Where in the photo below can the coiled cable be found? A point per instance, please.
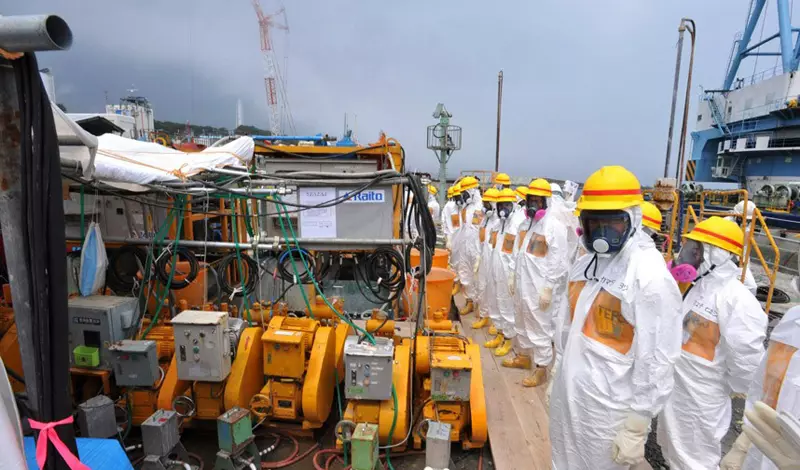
(250, 272)
(304, 276)
(380, 272)
(165, 258)
(125, 263)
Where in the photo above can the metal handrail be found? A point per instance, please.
(772, 275)
(672, 226)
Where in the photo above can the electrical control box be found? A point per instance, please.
(96, 418)
(95, 322)
(451, 376)
(437, 446)
(160, 433)
(284, 353)
(368, 369)
(202, 345)
(234, 429)
(135, 363)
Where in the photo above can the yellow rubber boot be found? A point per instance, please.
(503, 349)
(539, 377)
(456, 288)
(520, 361)
(493, 343)
(467, 308)
(492, 330)
(480, 323)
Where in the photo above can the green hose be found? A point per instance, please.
(391, 430)
(245, 300)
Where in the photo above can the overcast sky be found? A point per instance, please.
(587, 83)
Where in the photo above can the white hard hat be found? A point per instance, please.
(554, 187)
(738, 209)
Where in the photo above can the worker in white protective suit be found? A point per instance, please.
(502, 310)
(540, 283)
(469, 245)
(450, 208)
(617, 370)
(739, 214)
(433, 204)
(482, 268)
(776, 385)
(724, 328)
(455, 227)
(501, 181)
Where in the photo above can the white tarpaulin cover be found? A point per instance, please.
(76, 146)
(128, 163)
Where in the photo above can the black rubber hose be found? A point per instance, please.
(123, 267)
(249, 269)
(166, 258)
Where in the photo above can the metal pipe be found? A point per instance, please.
(681, 29)
(34, 33)
(260, 246)
(785, 31)
(682, 150)
(12, 221)
(499, 114)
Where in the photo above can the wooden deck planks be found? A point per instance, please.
(517, 416)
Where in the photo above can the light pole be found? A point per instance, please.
(443, 139)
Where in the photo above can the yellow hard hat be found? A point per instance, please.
(491, 195)
(456, 189)
(469, 182)
(449, 192)
(651, 216)
(725, 234)
(540, 187)
(501, 178)
(521, 191)
(610, 188)
(506, 195)
(432, 189)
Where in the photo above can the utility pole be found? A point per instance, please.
(443, 139)
(681, 30)
(690, 26)
(499, 113)
(686, 24)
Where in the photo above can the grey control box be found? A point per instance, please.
(451, 379)
(368, 369)
(135, 363)
(160, 433)
(96, 418)
(97, 321)
(202, 345)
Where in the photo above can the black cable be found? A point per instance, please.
(166, 257)
(386, 268)
(250, 271)
(123, 270)
(296, 256)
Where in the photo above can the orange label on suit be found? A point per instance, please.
(537, 246)
(508, 243)
(778, 357)
(574, 291)
(455, 219)
(493, 239)
(521, 238)
(477, 218)
(701, 336)
(605, 323)
(463, 214)
(482, 234)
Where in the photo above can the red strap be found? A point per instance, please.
(48, 433)
(718, 236)
(611, 192)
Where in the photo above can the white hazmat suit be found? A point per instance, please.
(502, 266)
(448, 225)
(469, 242)
(723, 341)
(433, 207)
(487, 235)
(777, 384)
(542, 266)
(618, 364)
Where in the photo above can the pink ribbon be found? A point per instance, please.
(48, 433)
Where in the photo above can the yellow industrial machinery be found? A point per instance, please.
(380, 412)
(206, 400)
(449, 382)
(299, 364)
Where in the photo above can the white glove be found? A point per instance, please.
(511, 288)
(734, 459)
(477, 265)
(545, 298)
(771, 438)
(628, 445)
